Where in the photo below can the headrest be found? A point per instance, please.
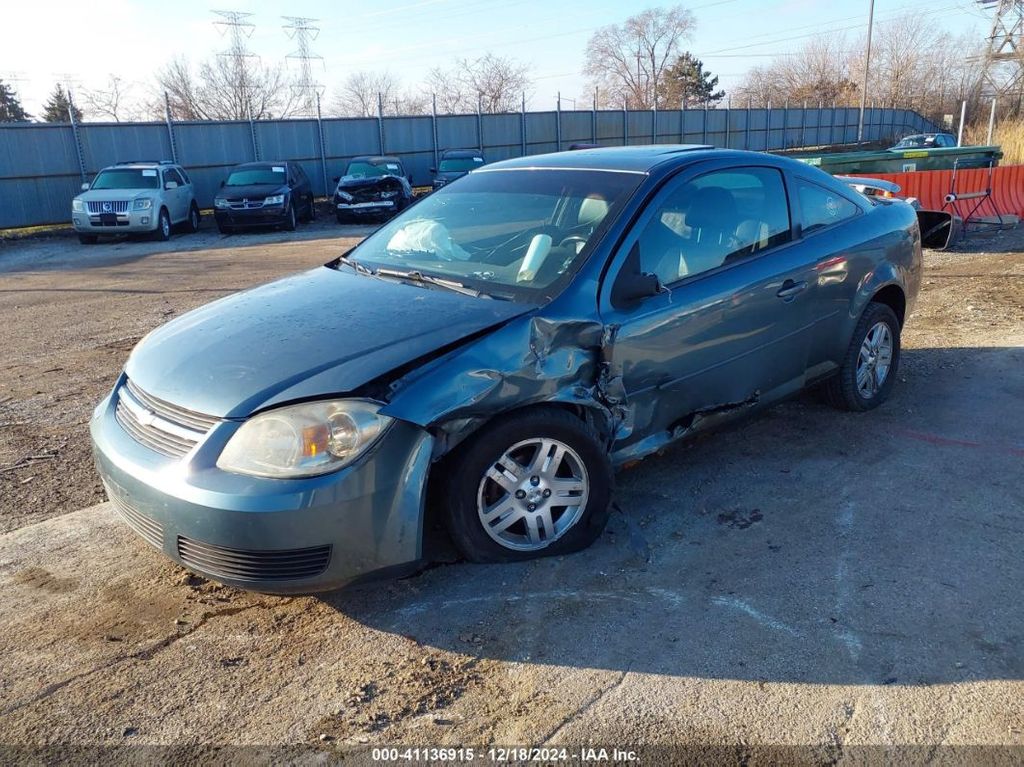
(592, 211)
(712, 208)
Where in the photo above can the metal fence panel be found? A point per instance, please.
(39, 163)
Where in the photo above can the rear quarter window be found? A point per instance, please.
(821, 208)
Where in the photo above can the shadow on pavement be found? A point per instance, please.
(807, 545)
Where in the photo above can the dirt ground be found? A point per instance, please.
(809, 578)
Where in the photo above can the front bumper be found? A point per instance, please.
(373, 208)
(115, 223)
(277, 536)
(265, 216)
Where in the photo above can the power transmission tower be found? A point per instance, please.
(1003, 60)
(302, 31)
(237, 27)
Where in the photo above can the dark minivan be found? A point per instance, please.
(264, 194)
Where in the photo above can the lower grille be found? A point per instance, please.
(249, 565)
(149, 529)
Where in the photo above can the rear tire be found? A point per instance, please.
(163, 226)
(869, 369)
(193, 218)
(290, 220)
(224, 228)
(555, 456)
(311, 216)
(88, 239)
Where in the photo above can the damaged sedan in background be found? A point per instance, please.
(371, 187)
(500, 349)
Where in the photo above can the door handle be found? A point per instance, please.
(790, 289)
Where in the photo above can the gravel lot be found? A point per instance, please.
(809, 578)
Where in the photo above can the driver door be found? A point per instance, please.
(731, 327)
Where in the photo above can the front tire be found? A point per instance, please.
(869, 369)
(163, 226)
(88, 239)
(529, 485)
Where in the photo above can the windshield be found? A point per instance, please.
(916, 142)
(512, 234)
(460, 164)
(359, 169)
(270, 175)
(127, 178)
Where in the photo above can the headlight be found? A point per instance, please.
(220, 202)
(277, 199)
(143, 204)
(77, 205)
(304, 440)
(345, 196)
(388, 195)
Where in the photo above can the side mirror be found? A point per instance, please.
(433, 170)
(85, 186)
(633, 285)
(222, 184)
(171, 185)
(336, 179)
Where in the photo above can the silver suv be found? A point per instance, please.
(135, 197)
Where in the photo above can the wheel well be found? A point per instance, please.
(893, 297)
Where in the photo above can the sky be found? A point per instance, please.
(75, 43)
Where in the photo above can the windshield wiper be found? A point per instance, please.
(430, 279)
(357, 267)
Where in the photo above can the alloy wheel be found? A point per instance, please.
(533, 494)
(874, 360)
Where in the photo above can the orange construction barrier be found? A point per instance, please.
(932, 186)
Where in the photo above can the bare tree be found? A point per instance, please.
(447, 88)
(819, 72)
(113, 102)
(627, 62)
(357, 95)
(492, 83)
(227, 88)
(495, 83)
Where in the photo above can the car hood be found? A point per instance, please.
(317, 333)
(254, 191)
(112, 195)
(348, 183)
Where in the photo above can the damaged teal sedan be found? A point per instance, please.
(499, 348)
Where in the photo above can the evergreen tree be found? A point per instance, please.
(10, 107)
(56, 108)
(686, 81)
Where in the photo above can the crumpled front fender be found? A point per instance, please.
(530, 360)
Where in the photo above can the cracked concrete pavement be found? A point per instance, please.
(808, 577)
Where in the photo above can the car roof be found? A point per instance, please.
(143, 164)
(633, 159)
(261, 164)
(643, 159)
(374, 159)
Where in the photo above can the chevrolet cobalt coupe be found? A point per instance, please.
(504, 343)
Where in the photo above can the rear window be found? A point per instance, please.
(274, 174)
(127, 178)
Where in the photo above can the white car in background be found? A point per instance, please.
(135, 197)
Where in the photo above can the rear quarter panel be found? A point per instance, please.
(879, 249)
